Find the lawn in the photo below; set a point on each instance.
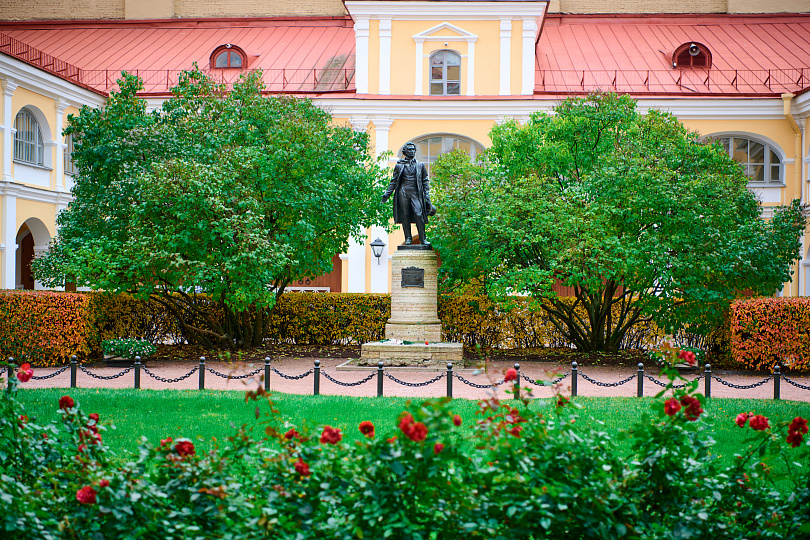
(206, 416)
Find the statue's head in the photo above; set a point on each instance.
(409, 150)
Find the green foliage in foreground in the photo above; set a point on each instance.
(513, 470)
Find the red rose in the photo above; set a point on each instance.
(66, 402)
(672, 406)
(184, 448)
(405, 422)
(367, 428)
(437, 448)
(418, 432)
(302, 468)
(22, 421)
(103, 483)
(25, 373)
(562, 401)
(742, 418)
(688, 357)
(794, 438)
(82, 448)
(510, 375)
(166, 442)
(391, 440)
(94, 416)
(798, 425)
(693, 408)
(290, 435)
(86, 495)
(516, 431)
(331, 435)
(456, 420)
(759, 423)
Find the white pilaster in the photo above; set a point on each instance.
(357, 266)
(420, 60)
(385, 57)
(39, 251)
(506, 56)
(9, 242)
(471, 68)
(361, 31)
(359, 123)
(59, 166)
(382, 126)
(8, 129)
(379, 267)
(528, 56)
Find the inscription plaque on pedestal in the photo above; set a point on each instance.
(413, 277)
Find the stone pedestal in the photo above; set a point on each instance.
(414, 331)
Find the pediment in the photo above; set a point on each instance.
(444, 31)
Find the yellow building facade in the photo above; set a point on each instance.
(440, 74)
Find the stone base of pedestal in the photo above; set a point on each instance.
(410, 354)
(420, 332)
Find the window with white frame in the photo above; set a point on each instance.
(70, 166)
(28, 146)
(445, 73)
(429, 148)
(761, 161)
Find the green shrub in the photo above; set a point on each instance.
(769, 331)
(128, 348)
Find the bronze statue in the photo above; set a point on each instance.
(411, 188)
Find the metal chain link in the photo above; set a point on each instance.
(52, 375)
(234, 377)
(741, 387)
(415, 385)
(465, 381)
(555, 381)
(358, 383)
(292, 377)
(676, 386)
(170, 381)
(102, 377)
(607, 385)
(2, 370)
(794, 383)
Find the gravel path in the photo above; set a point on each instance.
(494, 373)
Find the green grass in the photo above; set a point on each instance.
(208, 414)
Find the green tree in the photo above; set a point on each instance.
(221, 191)
(643, 219)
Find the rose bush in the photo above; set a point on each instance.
(514, 471)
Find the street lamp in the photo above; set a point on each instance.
(377, 248)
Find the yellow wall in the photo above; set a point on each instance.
(45, 212)
(404, 130)
(25, 98)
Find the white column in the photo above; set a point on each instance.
(506, 56)
(382, 126)
(9, 241)
(528, 56)
(59, 166)
(8, 129)
(379, 267)
(357, 266)
(471, 68)
(361, 31)
(420, 60)
(385, 57)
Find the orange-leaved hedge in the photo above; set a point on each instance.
(767, 331)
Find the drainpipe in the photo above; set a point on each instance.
(798, 165)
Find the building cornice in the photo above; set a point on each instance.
(44, 83)
(29, 193)
(455, 11)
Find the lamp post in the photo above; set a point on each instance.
(377, 249)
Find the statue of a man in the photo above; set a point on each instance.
(411, 188)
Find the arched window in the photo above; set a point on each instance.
(692, 54)
(228, 56)
(429, 148)
(762, 162)
(445, 73)
(70, 167)
(28, 147)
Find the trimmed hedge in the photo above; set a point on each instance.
(767, 331)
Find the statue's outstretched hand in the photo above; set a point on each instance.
(385, 198)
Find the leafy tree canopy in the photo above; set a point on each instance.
(222, 192)
(643, 219)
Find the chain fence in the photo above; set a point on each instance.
(608, 385)
(676, 386)
(235, 377)
(292, 377)
(103, 377)
(437, 378)
(474, 385)
(170, 381)
(52, 375)
(358, 383)
(741, 386)
(794, 383)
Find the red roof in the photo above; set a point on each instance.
(296, 55)
(751, 55)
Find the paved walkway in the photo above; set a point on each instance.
(494, 373)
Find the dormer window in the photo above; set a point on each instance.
(692, 55)
(228, 56)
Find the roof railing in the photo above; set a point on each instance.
(33, 56)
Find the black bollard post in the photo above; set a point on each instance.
(449, 379)
(317, 389)
(707, 382)
(640, 391)
(573, 378)
(10, 371)
(266, 373)
(137, 372)
(379, 378)
(202, 373)
(777, 374)
(517, 382)
(74, 362)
